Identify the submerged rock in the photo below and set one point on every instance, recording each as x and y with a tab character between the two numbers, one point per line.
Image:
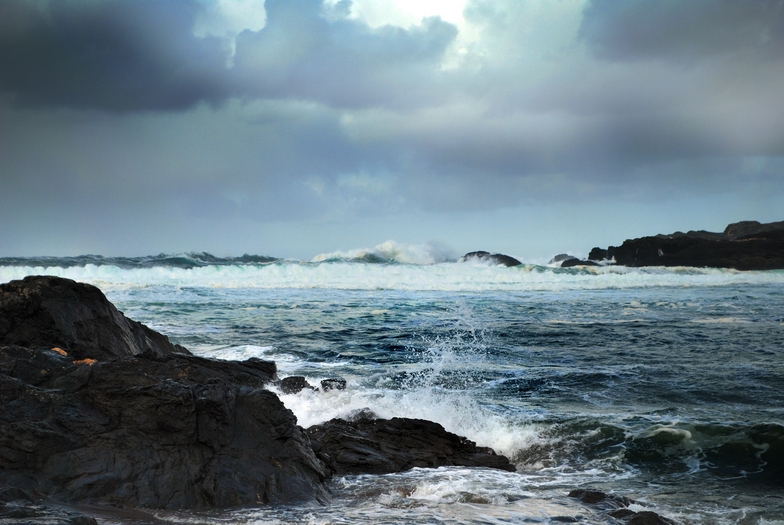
333	383
367	445
497	259
616	507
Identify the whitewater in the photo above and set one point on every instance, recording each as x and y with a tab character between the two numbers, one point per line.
665	385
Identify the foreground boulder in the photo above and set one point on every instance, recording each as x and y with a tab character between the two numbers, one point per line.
47	312
171	431
747	245
497	259
366	445
99	408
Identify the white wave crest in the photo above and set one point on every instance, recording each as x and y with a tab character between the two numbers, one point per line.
407	277
391	251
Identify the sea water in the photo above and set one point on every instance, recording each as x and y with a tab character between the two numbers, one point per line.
665	385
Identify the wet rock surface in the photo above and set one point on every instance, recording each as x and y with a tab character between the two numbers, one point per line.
747	245
333	383
498	259
150	431
47	312
99	409
617	507
574	261
294	385
366	445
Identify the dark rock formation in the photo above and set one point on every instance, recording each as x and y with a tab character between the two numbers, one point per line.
561	257
333	383
574	261
153	427
569	261
170	431
742	229
615	506
367	445
497	259
46	312
96	408
594	497
746	245
597	254
294	384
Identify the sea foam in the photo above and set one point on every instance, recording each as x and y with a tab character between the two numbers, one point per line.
342	275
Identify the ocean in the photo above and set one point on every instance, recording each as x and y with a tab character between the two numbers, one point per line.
665	385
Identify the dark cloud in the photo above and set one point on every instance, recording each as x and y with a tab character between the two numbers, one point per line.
125	56
111	54
684	31
318	117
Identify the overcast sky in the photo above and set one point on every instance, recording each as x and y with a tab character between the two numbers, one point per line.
296	127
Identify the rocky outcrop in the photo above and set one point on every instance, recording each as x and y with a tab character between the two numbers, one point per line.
367	445
561	257
746	245
569	261
574	261
617	507
496	259
99	408
47	312
172	431
294	385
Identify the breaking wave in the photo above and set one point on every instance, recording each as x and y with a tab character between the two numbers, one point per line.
359	274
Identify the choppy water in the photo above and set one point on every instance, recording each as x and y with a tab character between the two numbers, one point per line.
664	385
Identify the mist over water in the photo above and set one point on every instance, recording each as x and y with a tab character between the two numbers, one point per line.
663	385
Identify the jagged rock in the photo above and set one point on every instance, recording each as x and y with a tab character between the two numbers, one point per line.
47	312
497	259
597	254
333	383
746	245
367	445
145	425
294	384
561	257
172	431
742	229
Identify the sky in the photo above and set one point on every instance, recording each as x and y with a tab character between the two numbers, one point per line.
296	127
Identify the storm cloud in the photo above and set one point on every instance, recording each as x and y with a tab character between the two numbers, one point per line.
116	55
156	116
685	32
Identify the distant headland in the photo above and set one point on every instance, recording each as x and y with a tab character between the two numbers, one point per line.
745	245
